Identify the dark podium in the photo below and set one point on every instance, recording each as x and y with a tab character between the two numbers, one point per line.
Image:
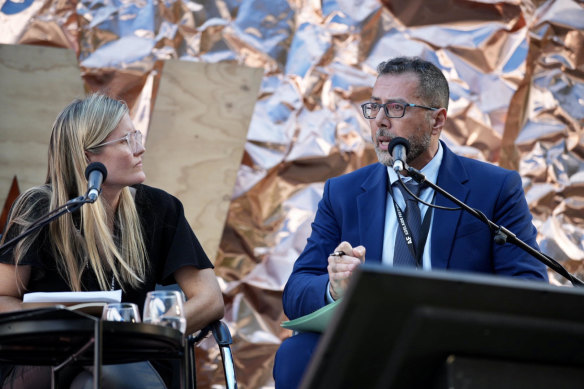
402	328
58	337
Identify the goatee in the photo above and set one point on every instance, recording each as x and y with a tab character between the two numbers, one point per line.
418	145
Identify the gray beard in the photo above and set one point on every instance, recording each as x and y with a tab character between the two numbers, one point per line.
418	145
383	157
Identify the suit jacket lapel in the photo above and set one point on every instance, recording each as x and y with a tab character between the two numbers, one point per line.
371	211
452	178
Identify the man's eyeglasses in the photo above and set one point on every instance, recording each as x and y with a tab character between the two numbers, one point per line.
392	109
133	138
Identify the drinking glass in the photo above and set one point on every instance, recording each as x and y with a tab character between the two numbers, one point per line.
127	312
165	308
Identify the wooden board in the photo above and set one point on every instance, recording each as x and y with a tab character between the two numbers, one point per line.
196	139
36	83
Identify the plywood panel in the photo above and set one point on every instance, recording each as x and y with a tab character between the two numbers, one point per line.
196	139
36	83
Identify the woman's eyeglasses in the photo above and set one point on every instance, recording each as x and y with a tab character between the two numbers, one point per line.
133	138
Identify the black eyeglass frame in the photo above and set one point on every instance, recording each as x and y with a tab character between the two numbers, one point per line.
386	111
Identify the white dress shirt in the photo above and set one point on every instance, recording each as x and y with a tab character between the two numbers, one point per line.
391	225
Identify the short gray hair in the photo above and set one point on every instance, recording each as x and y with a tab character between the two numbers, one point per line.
433	85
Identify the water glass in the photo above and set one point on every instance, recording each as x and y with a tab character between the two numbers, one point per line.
127	312
165	308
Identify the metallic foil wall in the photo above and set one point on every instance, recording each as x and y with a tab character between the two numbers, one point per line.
516	71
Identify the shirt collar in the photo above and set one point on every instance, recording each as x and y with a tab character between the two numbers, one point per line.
430	170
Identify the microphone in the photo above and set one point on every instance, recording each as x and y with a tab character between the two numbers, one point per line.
399	149
95	174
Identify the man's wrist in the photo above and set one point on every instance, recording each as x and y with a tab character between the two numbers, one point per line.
329	296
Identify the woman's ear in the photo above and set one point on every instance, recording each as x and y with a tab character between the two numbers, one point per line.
88	157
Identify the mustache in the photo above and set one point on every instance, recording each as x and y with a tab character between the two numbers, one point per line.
386	133
383	132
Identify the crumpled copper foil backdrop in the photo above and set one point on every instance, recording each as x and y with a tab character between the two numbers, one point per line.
516	70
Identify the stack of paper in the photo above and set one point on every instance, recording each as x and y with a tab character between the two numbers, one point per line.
316	321
67	298
88	302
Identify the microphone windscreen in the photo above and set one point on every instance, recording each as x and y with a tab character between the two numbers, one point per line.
96	166
398	141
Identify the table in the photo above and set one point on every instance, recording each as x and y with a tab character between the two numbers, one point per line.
58	337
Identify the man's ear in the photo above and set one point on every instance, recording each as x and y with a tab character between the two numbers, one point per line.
439	120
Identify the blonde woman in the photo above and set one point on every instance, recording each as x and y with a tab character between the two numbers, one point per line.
132	238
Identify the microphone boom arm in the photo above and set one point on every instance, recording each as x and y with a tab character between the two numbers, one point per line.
502	234
71	206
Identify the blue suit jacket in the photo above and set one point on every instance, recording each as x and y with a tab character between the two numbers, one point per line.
353	209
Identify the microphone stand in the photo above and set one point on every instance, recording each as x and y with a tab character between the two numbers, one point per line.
502	235
71	206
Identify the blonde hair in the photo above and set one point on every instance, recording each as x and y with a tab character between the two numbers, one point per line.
84	124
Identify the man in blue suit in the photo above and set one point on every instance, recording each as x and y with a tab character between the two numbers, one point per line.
359	212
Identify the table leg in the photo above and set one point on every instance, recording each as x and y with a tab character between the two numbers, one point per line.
184	368
191	365
97	355
54	379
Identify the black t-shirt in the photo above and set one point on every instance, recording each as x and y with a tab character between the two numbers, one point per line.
170	245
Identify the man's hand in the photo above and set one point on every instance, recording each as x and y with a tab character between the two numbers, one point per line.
341	265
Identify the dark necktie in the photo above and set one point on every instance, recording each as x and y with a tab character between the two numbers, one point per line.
402	253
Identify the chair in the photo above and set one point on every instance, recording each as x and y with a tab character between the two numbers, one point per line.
223	338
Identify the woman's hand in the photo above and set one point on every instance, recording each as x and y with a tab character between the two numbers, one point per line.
204	298
13	281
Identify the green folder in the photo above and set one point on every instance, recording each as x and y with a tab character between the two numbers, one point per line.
316	321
